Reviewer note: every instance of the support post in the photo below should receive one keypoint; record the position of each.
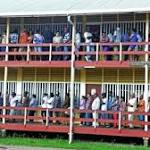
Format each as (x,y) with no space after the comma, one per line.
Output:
(6,70)
(25,116)
(119,120)
(146,77)
(5,74)
(72,78)
(50,52)
(120,52)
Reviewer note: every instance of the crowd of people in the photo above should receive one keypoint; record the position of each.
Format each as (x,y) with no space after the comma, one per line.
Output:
(65,37)
(89,105)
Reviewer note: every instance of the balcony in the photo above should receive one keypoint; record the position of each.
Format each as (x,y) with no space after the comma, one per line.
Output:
(25,55)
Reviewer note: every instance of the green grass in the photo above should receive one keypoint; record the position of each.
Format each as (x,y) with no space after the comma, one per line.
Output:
(60,143)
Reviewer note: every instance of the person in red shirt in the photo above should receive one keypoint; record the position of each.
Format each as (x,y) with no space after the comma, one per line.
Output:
(23,39)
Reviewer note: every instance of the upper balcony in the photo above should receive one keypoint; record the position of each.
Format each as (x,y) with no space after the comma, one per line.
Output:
(93,55)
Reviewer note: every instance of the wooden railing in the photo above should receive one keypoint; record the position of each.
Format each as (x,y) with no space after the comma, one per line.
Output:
(117,121)
(49,52)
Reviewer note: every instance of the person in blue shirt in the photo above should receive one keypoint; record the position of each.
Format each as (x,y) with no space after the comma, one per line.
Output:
(125,38)
(13,39)
(33,104)
(38,39)
(110,102)
(133,38)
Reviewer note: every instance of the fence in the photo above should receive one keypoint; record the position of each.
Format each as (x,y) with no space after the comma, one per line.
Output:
(124,89)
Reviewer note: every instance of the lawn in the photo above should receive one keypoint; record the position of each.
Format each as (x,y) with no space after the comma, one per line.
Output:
(60,143)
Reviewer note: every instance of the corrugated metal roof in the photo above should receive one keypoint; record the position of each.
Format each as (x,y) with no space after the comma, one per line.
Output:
(73,7)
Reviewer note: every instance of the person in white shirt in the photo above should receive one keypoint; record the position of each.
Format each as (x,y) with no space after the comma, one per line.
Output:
(104,106)
(117,39)
(57,39)
(44,105)
(95,107)
(13,103)
(78,43)
(132,104)
(88,40)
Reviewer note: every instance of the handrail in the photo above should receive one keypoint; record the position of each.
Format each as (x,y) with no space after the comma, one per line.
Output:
(50,52)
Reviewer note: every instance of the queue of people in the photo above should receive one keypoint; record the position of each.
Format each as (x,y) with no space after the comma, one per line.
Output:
(107,104)
(62,39)
(89,106)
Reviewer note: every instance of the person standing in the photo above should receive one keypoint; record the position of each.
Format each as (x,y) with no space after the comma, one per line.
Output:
(88,107)
(104,107)
(115,109)
(105,39)
(25,99)
(33,104)
(95,108)
(88,41)
(82,107)
(44,105)
(57,105)
(132,104)
(23,39)
(78,43)
(38,39)
(13,39)
(117,39)
(66,40)
(13,104)
(141,108)
(57,39)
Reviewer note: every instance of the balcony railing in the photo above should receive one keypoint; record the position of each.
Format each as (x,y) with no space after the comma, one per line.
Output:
(113,123)
(55,52)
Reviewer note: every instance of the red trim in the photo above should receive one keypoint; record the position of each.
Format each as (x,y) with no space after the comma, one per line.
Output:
(76,130)
(111,132)
(66,64)
(35,127)
(103,64)
(39,64)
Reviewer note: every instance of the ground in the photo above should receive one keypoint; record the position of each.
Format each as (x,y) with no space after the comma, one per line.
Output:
(61,144)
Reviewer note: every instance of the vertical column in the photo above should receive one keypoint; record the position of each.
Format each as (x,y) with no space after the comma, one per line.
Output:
(72,80)
(19,81)
(64,90)
(101,30)
(6,69)
(146,73)
(83,82)
(118,79)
